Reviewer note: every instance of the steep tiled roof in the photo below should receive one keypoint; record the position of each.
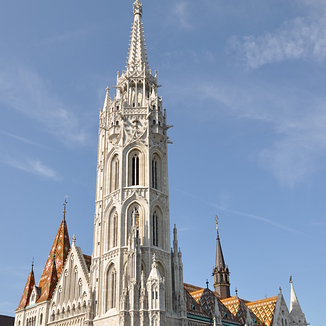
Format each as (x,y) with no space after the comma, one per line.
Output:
(263,310)
(49,284)
(237,307)
(60,248)
(193,307)
(88,261)
(24,301)
(191,287)
(206,300)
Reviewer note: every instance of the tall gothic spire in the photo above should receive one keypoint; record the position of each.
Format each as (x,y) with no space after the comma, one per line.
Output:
(220,270)
(137,56)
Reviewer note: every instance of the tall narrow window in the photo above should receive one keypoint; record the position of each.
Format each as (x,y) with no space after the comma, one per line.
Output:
(135,170)
(155,230)
(114,180)
(111,288)
(154,173)
(116,175)
(115,230)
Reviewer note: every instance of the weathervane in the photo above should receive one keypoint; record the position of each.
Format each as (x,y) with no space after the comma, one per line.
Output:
(64,207)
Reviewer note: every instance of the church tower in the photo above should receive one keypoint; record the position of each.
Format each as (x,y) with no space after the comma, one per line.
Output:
(221,271)
(131,249)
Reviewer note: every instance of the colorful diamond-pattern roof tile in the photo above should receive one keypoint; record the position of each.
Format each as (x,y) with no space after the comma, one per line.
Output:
(59,249)
(50,284)
(237,307)
(24,301)
(193,307)
(263,310)
(206,299)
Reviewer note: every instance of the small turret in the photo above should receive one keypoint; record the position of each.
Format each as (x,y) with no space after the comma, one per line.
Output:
(24,301)
(220,270)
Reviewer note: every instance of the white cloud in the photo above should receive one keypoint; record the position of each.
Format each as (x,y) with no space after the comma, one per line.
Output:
(21,139)
(243,214)
(182,12)
(69,35)
(32,166)
(25,91)
(293,138)
(299,148)
(300,38)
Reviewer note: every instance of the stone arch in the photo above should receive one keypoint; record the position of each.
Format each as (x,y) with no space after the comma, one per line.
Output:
(156,171)
(112,228)
(134,216)
(111,287)
(135,166)
(157,227)
(113,172)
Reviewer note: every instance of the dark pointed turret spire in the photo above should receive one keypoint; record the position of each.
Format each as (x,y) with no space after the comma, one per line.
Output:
(24,301)
(220,270)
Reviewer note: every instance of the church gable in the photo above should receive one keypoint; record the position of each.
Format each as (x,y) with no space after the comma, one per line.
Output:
(71,295)
(281,314)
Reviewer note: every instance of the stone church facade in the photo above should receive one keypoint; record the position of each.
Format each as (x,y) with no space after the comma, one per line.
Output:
(134,277)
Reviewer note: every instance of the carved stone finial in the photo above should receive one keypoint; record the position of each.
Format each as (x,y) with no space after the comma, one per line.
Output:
(32,263)
(154,261)
(73,239)
(290,279)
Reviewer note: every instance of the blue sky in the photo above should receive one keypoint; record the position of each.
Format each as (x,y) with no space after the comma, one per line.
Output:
(243,83)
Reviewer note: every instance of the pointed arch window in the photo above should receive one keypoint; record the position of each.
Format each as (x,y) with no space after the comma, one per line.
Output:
(113,230)
(154,173)
(135,170)
(155,229)
(111,288)
(115,173)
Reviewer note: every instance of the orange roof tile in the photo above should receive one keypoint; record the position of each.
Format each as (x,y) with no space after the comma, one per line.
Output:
(60,249)
(237,307)
(263,310)
(49,284)
(24,301)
